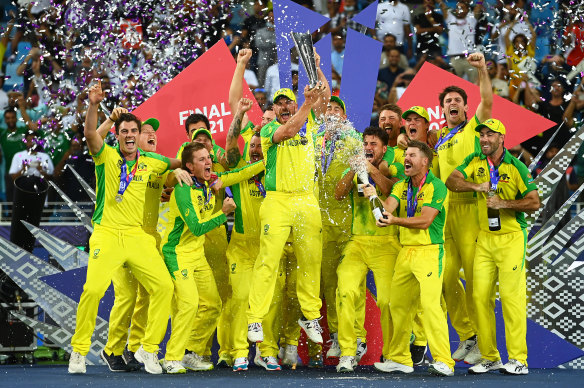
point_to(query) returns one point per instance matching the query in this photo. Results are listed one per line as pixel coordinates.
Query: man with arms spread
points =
(370, 248)
(503, 184)
(418, 275)
(290, 206)
(118, 237)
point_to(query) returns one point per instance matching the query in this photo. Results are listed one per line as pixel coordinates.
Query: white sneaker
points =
(173, 367)
(77, 363)
(335, 350)
(361, 350)
(514, 367)
(195, 362)
(393, 367)
(485, 366)
(312, 329)
(268, 363)
(255, 333)
(440, 369)
(463, 348)
(290, 358)
(150, 361)
(474, 355)
(346, 364)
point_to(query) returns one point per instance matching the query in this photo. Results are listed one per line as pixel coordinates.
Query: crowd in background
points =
(51, 50)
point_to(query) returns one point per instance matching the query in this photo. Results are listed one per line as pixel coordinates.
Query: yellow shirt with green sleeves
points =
(433, 194)
(453, 152)
(290, 166)
(515, 182)
(130, 212)
(191, 214)
(331, 163)
(363, 221)
(215, 153)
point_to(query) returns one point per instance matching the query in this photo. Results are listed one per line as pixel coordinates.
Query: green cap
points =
(153, 122)
(417, 110)
(284, 92)
(340, 102)
(202, 130)
(493, 124)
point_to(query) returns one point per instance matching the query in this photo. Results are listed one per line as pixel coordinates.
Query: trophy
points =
(303, 43)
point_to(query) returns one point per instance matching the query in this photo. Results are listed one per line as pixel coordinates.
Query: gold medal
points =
(119, 198)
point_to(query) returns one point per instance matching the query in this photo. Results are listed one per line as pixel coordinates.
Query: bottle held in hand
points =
(493, 215)
(376, 207)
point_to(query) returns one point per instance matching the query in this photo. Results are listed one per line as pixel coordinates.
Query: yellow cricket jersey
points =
(333, 212)
(433, 193)
(453, 152)
(514, 183)
(400, 156)
(248, 197)
(363, 221)
(290, 166)
(190, 217)
(130, 212)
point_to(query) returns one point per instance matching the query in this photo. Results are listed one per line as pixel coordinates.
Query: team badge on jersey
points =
(266, 228)
(95, 253)
(185, 273)
(233, 267)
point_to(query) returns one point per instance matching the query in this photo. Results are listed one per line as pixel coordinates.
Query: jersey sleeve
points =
(188, 213)
(525, 182)
(267, 134)
(467, 166)
(101, 156)
(396, 191)
(160, 164)
(247, 132)
(232, 177)
(438, 196)
(396, 170)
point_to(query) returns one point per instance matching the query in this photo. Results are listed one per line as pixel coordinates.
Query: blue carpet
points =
(99, 376)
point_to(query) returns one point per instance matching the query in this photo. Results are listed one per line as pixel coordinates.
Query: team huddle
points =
(315, 207)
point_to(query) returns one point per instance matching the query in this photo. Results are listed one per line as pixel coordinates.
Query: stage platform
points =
(99, 376)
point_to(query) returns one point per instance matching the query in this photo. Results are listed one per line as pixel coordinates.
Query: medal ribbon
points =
(449, 135)
(413, 199)
(125, 179)
(494, 171)
(206, 193)
(302, 131)
(260, 185)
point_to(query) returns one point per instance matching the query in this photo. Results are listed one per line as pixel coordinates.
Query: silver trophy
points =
(303, 43)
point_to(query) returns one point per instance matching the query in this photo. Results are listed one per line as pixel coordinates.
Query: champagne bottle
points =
(493, 215)
(376, 207)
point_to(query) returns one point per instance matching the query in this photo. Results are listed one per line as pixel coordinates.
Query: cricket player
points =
(196, 304)
(290, 206)
(419, 268)
(118, 237)
(503, 183)
(369, 248)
